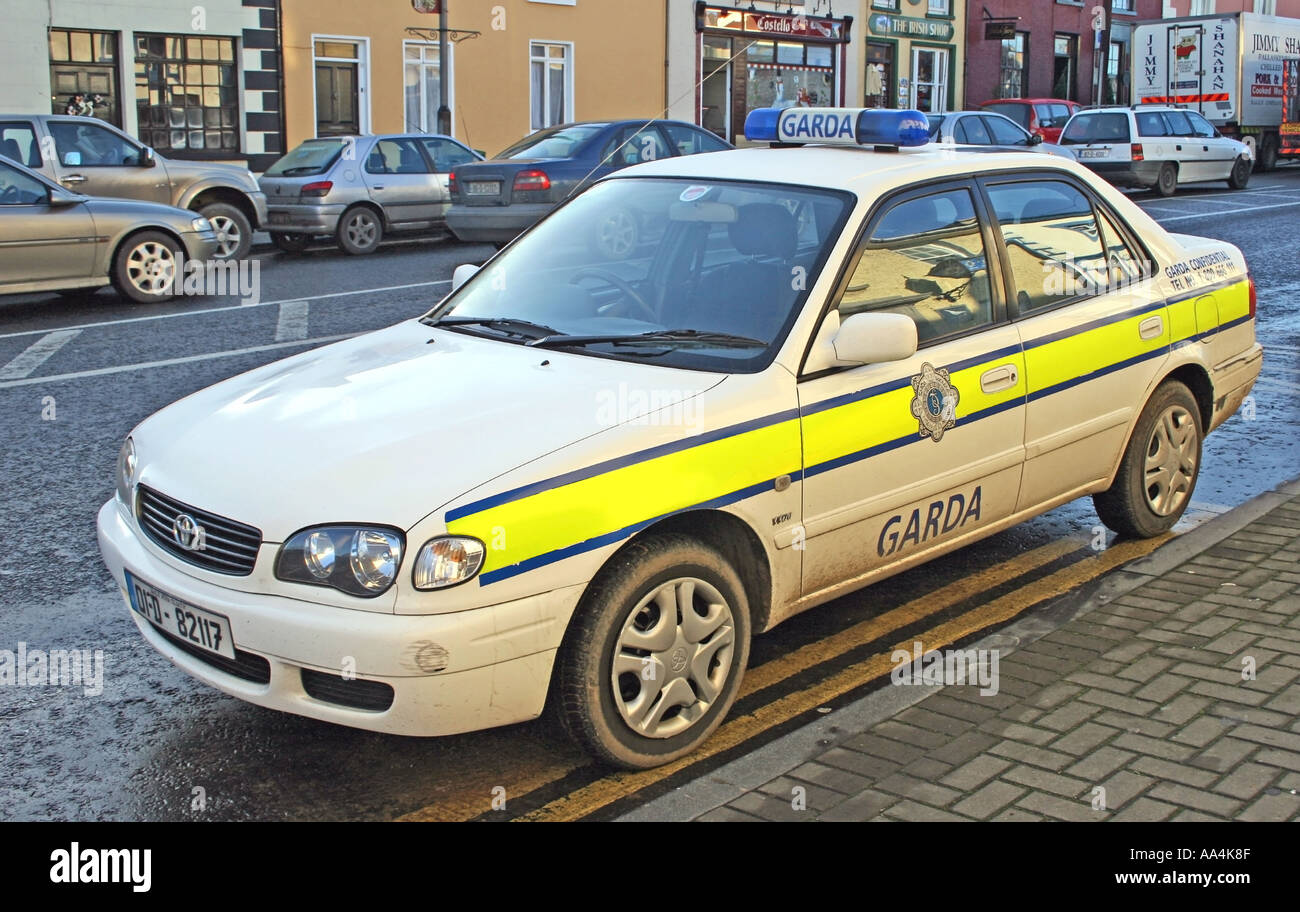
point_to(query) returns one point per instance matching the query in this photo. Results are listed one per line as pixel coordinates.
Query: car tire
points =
(360, 230)
(1240, 175)
(146, 267)
(1167, 180)
(290, 242)
(616, 235)
(234, 231)
(1157, 476)
(630, 720)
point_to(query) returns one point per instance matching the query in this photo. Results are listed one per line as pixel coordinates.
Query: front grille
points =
(245, 665)
(230, 547)
(375, 696)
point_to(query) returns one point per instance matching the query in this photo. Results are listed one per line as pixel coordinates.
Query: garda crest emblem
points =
(935, 404)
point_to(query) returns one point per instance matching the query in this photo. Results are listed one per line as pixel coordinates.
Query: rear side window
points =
(1150, 123)
(1017, 112)
(1179, 125)
(1052, 242)
(1096, 128)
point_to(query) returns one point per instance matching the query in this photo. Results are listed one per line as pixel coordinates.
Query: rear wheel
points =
(1267, 160)
(654, 657)
(290, 243)
(360, 231)
(1240, 175)
(1158, 473)
(146, 267)
(1167, 179)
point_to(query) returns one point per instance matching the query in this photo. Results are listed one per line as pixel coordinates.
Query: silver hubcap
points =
(228, 236)
(1171, 460)
(673, 657)
(617, 235)
(361, 230)
(151, 267)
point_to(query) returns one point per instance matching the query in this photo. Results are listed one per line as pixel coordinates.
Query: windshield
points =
(673, 258)
(1096, 128)
(315, 156)
(557, 142)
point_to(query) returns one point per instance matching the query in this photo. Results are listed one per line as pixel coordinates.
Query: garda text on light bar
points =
(843, 126)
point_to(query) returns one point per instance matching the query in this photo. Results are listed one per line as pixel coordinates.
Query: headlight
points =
(126, 465)
(200, 224)
(359, 561)
(447, 561)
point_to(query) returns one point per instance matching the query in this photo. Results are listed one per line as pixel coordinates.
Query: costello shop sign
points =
(774, 24)
(909, 27)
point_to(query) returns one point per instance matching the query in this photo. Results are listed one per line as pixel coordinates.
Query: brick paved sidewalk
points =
(1141, 694)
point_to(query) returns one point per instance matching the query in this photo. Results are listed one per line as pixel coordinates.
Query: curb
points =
(744, 774)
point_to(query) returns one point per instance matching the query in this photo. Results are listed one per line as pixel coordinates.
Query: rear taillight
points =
(532, 180)
(1137, 152)
(318, 188)
(1254, 297)
(451, 183)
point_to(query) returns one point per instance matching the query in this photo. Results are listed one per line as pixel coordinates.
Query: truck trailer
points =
(1232, 68)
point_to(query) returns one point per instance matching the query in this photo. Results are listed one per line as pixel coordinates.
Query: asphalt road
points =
(77, 375)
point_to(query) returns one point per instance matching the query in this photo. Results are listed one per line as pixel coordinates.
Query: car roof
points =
(864, 171)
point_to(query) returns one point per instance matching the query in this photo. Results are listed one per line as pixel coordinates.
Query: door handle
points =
(1205, 148)
(74, 179)
(999, 378)
(377, 187)
(1151, 328)
(1178, 148)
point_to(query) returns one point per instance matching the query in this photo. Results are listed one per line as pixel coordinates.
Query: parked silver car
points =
(359, 188)
(93, 157)
(989, 130)
(52, 239)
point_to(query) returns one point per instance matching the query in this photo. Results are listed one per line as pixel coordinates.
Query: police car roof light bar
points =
(877, 127)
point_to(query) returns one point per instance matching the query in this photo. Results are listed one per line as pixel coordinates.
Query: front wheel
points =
(1158, 473)
(654, 657)
(1166, 180)
(146, 268)
(1240, 175)
(234, 231)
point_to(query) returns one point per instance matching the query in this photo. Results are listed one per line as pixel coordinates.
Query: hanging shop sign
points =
(774, 25)
(909, 27)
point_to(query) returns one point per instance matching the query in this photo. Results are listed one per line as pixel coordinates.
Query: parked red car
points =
(1045, 117)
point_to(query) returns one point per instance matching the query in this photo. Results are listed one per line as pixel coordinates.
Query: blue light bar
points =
(840, 126)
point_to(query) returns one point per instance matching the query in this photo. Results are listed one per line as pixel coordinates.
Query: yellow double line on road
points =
(596, 795)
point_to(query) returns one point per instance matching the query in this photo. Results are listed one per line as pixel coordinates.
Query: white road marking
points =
(293, 321)
(233, 308)
(37, 354)
(169, 362)
(1201, 215)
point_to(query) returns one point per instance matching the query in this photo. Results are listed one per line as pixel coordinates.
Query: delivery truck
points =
(1232, 68)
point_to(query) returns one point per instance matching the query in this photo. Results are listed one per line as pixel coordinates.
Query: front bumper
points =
(300, 219)
(494, 224)
(200, 246)
(449, 673)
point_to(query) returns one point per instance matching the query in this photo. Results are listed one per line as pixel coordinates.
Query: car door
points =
(445, 155)
(40, 242)
(1190, 151)
(1220, 153)
(95, 159)
(1093, 328)
(400, 180)
(903, 456)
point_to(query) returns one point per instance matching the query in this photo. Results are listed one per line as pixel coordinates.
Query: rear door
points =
(1191, 152)
(401, 182)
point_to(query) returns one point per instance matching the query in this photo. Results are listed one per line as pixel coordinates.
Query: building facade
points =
(516, 66)
(1049, 49)
(914, 54)
(197, 81)
(1288, 8)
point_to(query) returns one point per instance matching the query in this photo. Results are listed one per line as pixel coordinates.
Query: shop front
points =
(913, 54)
(751, 59)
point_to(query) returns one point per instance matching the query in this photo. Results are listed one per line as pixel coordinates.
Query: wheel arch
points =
(131, 232)
(366, 204)
(1192, 375)
(227, 195)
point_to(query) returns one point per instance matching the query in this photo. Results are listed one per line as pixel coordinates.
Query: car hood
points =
(135, 210)
(384, 428)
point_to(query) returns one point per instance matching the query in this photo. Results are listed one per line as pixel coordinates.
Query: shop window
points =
(1065, 67)
(551, 84)
(786, 75)
(187, 93)
(878, 86)
(84, 75)
(1015, 61)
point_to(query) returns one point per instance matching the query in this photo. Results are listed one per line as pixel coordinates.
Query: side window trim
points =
(993, 263)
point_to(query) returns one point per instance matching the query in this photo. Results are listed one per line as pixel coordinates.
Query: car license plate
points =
(484, 188)
(1093, 153)
(279, 218)
(207, 631)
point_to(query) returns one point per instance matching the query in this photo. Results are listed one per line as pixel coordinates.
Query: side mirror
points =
(462, 275)
(1035, 139)
(147, 159)
(72, 159)
(60, 198)
(873, 338)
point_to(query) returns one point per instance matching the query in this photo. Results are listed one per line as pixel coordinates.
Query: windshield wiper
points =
(671, 336)
(522, 328)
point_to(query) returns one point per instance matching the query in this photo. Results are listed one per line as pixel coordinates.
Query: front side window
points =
(551, 83)
(631, 146)
(18, 189)
(925, 259)
(18, 142)
(719, 273)
(187, 93)
(1200, 126)
(690, 141)
(446, 154)
(1005, 133)
(83, 145)
(1052, 242)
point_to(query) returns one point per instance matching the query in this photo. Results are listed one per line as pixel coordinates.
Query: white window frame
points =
(945, 11)
(941, 84)
(451, 86)
(363, 77)
(569, 79)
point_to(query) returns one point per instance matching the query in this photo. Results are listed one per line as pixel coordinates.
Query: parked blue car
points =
(493, 201)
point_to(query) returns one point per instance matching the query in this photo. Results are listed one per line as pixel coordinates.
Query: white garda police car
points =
(592, 482)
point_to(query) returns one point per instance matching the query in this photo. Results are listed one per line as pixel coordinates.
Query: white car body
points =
(557, 459)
